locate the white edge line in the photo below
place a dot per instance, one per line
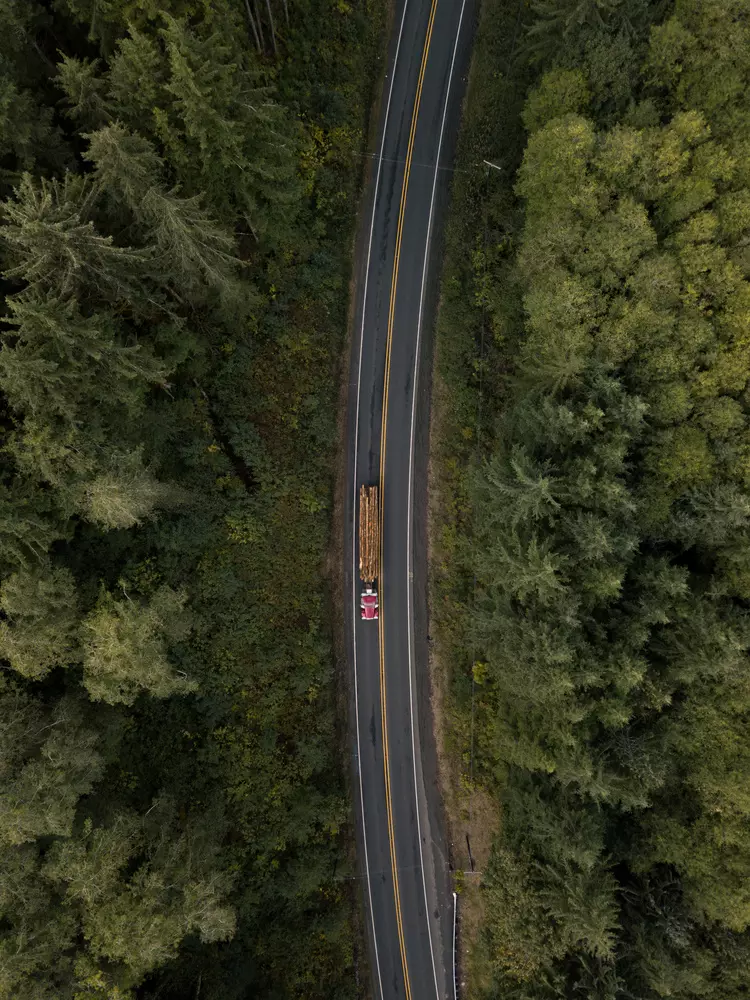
(355, 573)
(410, 502)
(455, 972)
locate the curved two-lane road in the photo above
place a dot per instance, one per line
(402, 858)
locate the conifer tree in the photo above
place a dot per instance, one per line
(125, 493)
(39, 630)
(50, 759)
(141, 884)
(125, 647)
(54, 245)
(191, 250)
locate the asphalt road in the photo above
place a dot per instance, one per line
(402, 853)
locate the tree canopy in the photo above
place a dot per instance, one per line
(609, 504)
(177, 194)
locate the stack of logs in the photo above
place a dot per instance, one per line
(368, 533)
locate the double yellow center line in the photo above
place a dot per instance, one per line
(389, 341)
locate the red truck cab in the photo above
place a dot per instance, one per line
(368, 604)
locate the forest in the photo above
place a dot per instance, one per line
(593, 574)
(179, 183)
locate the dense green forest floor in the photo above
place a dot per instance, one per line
(591, 521)
(179, 188)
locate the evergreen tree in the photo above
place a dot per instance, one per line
(39, 631)
(609, 537)
(55, 247)
(49, 760)
(191, 249)
(61, 363)
(28, 525)
(126, 493)
(140, 888)
(125, 647)
(177, 214)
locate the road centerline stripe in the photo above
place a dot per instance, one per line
(355, 576)
(386, 384)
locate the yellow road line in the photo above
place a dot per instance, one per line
(389, 341)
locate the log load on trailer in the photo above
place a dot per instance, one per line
(369, 550)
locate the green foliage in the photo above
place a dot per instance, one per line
(28, 137)
(191, 250)
(139, 892)
(560, 92)
(602, 555)
(208, 109)
(53, 342)
(125, 651)
(519, 936)
(39, 631)
(49, 760)
(178, 212)
(53, 245)
(126, 494)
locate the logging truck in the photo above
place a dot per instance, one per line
(369, 550)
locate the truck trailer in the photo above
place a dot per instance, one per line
(369, 550)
